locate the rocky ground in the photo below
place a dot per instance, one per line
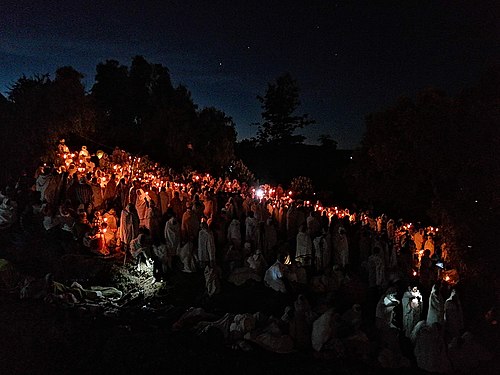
(133, 335)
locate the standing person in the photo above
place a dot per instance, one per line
(172, 237)
(190, 226)
(176, 205)
(142, 206)
(84, 194)
(97, 197)
(412, 309)
(426, 271)
(251, 224)
(165, 198)
(429, 245)
(153, 221)
(270, 239)
(122, 194)
(376, 270)
(453, 316)
(132, 194)
(206, 247)
(303, 252)
(436, 306)
(110, 191)
(385, 309)
(341, 247)
(129, 225)
(322, 252)
(418, 239)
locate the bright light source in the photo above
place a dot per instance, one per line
(259, 193)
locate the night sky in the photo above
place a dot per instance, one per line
(350, 58)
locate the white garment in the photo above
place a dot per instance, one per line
(251, 230)
(430, 350)
(186, 257)
(323, 330)
(436, 307)
(172, 236)
(141, 204)
(412, 310)
(274, 275)
(322, 252)
(376, 271)
(303, 252)
(453, 316)
(385, 310)
(129, 226)
(234, 233)
(341, 249)
(206, 246)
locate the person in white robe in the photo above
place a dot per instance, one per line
(129, 225)
(139, 249)
(251, 224)
(8, 213)
(436, 306)
(270, 238)
(376, 270)
(321, 252)
(391, 230)
(257, 262)
(142, 205)
(234, 234)
(385, 309)
(418, 239)
(274, 275)
(190, 226)
(313, 225)
(165, 198)
(172, 238)
(453, 316)
(429, 244)
(304, 247)
(47, 184)
(186, 257)
(412, 309)
(206, 247)
(341, 247)
(212, 280)
(323, 329)
(292, 225)
(430, 349)
(97, 196)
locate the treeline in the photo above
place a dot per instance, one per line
(437, 157)
(136, 108)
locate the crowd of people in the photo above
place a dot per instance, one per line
(343, 273)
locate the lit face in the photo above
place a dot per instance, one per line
(414, 289)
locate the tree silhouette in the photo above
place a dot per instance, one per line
(279, 104)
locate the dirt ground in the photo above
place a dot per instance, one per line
(37, 337)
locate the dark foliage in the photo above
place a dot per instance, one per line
(436, 157)
(279, 104)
